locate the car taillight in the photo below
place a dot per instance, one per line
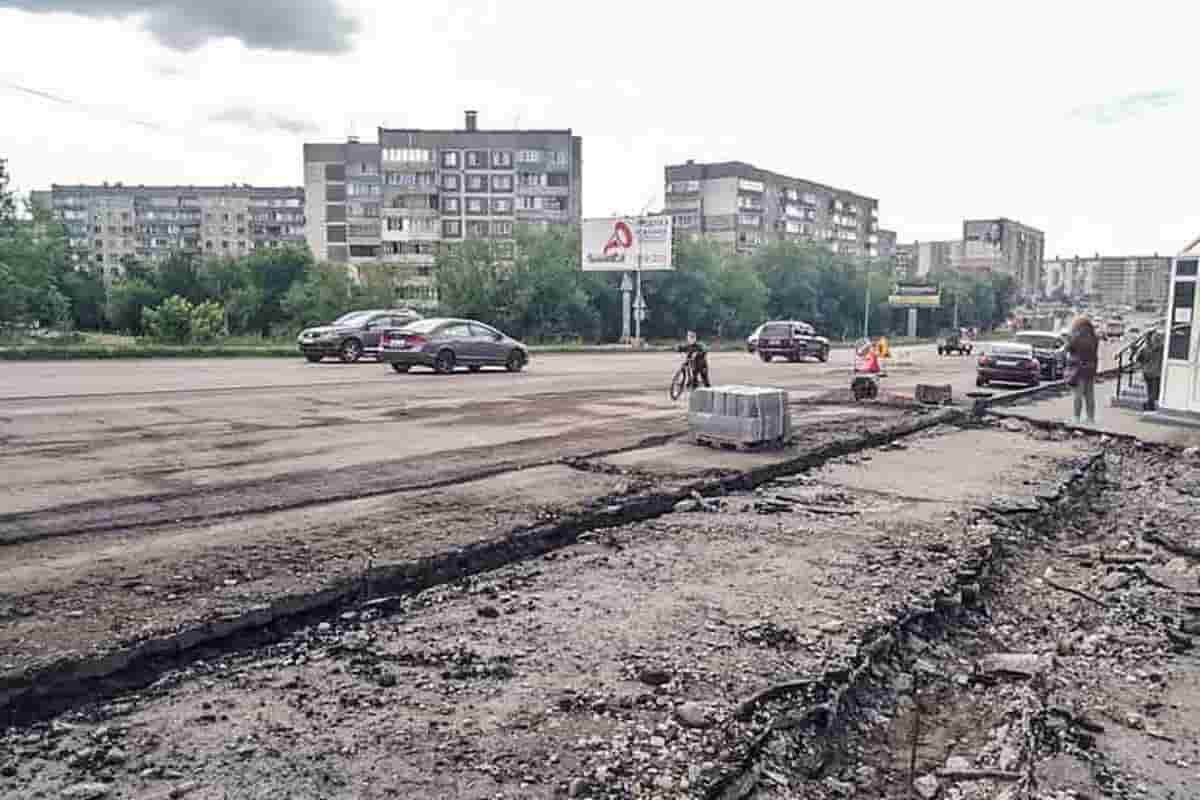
(416, 341)
(383, 338)
(1032, 364)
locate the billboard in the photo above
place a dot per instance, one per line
(617, 244)
(916, 295)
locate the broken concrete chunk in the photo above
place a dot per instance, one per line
(1026, 665)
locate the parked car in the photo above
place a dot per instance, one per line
(443, 344)
(1009, 362)
(790, 339)
(352, 335)
(752, 339)
(1050, 349)
(954, 342)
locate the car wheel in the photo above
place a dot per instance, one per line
(515, 362)
(980, 382)
(312, 358)
(401, 368)
(444, 363)
(350, 351)
(823, 356)
(766, 357)
(941, 352)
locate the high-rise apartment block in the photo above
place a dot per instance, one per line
(1004, 246)
(396, 200)
(1120, 281)
(743, 207)
(110, 223)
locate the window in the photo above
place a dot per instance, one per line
(362, 209)
(502, 205)
(476, 159)
(1182, 302)
(475, 205)
(531, 178)
(477, 229)
(684, 187)
(558, 158)
(476, 183)
(450, 182)
(745, 185)
(502, 183)
(528, 156)
(531, 203)
(559, 180)
(355, 190)
(364, 231)
(684, 220)
(400, 179)
(362, 168)
(451, 227)
(749, 219)
(450, 159)
(502, 228)
(552, 203)
(451, 205)
(501, 159)
(407, 154)
(810, 198)
(363, 251)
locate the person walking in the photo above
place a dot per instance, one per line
(1083, 359)
(1150, 359)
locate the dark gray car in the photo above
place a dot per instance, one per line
(445, 344)
(352, 335)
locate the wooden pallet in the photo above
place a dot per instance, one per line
(708, 440)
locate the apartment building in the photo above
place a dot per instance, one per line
(397, 200)
(743, 207)
(1004, 246)
(887, 244)
(111, 223)
(1132, 281)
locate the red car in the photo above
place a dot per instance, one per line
(1009, 363)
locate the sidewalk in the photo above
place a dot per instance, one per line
(1109, 418)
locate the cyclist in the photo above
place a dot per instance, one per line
(698, 355)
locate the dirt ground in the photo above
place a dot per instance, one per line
(613, 668)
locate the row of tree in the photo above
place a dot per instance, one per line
(536, 290)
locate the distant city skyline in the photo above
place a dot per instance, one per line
(942, 113)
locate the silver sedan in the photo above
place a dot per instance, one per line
(445, 344)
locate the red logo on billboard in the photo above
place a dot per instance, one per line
(621, 239)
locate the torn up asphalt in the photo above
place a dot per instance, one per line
(660, 658)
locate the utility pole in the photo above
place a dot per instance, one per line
(867, 300)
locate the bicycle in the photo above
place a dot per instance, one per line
(685, 378)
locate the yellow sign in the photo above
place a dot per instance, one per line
(912, 295)
(884, 350)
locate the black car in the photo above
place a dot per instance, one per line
(1009, 362)
(789, 339)
(351, 335)
(954, 343)
(444, 344)
(1049, 349)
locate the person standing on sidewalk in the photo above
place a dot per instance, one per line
(1150, 359)
(1083, 359)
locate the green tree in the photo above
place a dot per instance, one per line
(178, 274)
(8, 205)
(208, 322)
(126, 300)
(171, 321)
(273, 271)
(470, 283)
(85, 291)
(325, 294)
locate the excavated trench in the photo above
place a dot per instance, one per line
(1058, 661)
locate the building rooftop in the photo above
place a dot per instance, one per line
(108, 187)
(741, 169)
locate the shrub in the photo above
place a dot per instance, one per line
(171, 321)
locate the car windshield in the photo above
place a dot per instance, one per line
(352, 318)
(1011, 350)
(1042, 342)
(776, 330)
(424, 325)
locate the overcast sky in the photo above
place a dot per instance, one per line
(1080, 120)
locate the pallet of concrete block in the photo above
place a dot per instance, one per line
(743, 417)
(933, 395)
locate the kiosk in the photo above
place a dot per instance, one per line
(1180, 392)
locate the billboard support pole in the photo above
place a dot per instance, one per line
(912, 323)
(867, 301)
(637, 316)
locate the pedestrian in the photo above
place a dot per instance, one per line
(1083, 359)
(1150, 358)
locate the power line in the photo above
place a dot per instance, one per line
(91, 109)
